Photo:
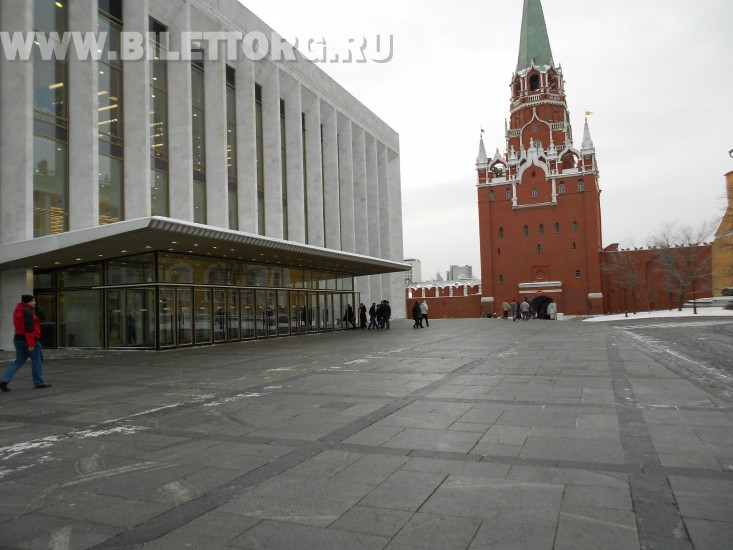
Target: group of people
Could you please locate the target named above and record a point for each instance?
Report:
(379, 316)
(420, 314)
(519, 310)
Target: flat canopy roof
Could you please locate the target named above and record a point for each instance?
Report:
(130, 237)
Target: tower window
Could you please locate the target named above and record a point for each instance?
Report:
(501, 232)
(561, 189)
(575, 227)
(491, 196)
(508, 194)
(534, 192)
(535, 128)
(581, 186)
(534, 82)
(573, 246)
(501, 279)
(539, 249)
(542, 229)
(498, 251)
(526, 231)
(557, 229)
(577, 273)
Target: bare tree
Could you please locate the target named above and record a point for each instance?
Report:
(624, 271)
(680, 255)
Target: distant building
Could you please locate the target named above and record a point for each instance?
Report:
(416, 271)
(723, 247)
(458, 273)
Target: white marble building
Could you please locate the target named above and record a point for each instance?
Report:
(158, 203)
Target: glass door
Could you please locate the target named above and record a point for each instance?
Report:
(271, 313)
(233, 315)
(166, 309)
(202, 315)
(261, 315)
(220, 315)
(247, 313)
(283, 313)
(313, 313)
(184, 316)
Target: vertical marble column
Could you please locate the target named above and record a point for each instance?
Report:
(291, 93)
(83, 123)
(16, 120)
(16, 162)
(246, 146)
(268, 77)
(397, 282)
(374, 222)
(346, 184)
(361, 213)
(136, 97)
(311, 107)
(384, 217)
(217, 178)
(179, 120)
(361, 239)
(331, 207)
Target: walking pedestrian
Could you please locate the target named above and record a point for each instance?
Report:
(526, 310)
(505, 310)
(362, 316)
(424, 313)
(416, 315)
(27, 342)
(386, 314)
(349, 317)
(515, 310)
(373, 317)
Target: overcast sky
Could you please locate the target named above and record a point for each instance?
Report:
(656, 74)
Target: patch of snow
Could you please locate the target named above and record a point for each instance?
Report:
(663, 314)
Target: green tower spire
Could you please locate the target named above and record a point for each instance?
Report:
(534, 45)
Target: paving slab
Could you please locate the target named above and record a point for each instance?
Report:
(473, 434)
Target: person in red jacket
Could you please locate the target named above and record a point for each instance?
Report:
(27, 343)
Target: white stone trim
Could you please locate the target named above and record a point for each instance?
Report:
(595, 295)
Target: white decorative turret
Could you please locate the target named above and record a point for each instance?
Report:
(481, 160)
(512, 156)
(551, 151)
(587, 147)
(497, 156)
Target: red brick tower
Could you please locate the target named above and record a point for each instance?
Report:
(539, 202)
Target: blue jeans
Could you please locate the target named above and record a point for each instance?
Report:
(22, 353)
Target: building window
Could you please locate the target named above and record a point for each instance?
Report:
(526, 231)
(231, 99)
(534, 192)
(198, 136)
(542, 229)
(574, 246)
(561, 189)
(501, 279)
(501, 232)
(557, 229)
(50, 128)
(284, 168)
(260, 161)
(491, 196)
(539, 249)
(575, 227)
(158, 121)
(498, 251)
(581, 186)
(508, 194)
(577, 274)
(110, 123)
